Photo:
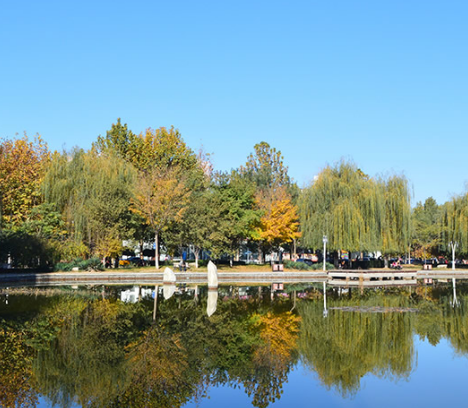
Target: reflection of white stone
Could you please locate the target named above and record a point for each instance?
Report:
(169, 290)
(212, 275)
(212, 302)
(130, 295)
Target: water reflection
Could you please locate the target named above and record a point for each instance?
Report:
(87, 346)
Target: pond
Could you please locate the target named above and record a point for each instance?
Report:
(239, 346)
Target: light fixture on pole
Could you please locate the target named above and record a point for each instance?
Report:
(453, 245)
(325, 240)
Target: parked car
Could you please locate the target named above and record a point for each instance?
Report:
(136, 261)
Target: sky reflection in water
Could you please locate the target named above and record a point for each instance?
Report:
(438, 380)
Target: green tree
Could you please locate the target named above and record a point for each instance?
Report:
(265, 168)
(92, 192)
(355, 211)
(455, 223)
(426, 233)
(344, 204)
(234, 198)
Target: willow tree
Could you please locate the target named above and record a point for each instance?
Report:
(454, 224)
(92, 192)
(356, 212)
(396, 225)
(345, 205)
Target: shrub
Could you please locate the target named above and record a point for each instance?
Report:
(302, 266)
(91, 264)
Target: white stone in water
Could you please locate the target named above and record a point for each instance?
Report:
(212, 275)
(169, 275)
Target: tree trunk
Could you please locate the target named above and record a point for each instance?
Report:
(156, 250)
(196, 252)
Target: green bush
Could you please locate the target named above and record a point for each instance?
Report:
(91, 264)
(319, 266)
(302, 266)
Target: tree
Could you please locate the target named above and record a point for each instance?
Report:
(265, 168)
(279, 223)
(121, 141)
(396, 225)
(356, 212)
(92, 192)
(426, 233)
(160, 198)
(274, 193)
(234, 198)
(345, 205)
(22, 167)
(455, 223)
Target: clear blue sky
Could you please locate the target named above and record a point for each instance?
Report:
(383, 83)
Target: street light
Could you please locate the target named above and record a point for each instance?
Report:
(453, 245)
(325, 240)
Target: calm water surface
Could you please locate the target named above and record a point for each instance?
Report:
(100, 347)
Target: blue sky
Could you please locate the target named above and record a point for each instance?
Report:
(382, 83)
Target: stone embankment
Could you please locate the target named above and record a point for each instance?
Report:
(336, 277)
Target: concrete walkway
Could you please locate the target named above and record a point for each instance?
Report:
(156, 278)
(76, 278)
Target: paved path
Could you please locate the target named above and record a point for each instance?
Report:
(76, 278)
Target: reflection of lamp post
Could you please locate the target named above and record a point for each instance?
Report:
(455, 300)
(325, 310)
(453, 245)
(325, 240)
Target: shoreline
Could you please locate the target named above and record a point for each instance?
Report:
(350, 276)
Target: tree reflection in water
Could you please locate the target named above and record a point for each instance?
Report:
(101, 352)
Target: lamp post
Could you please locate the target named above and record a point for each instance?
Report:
(325, 240)
(453, 245)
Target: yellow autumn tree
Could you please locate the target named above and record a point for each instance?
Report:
(22, 167)
(280, 221)
(161, 197)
